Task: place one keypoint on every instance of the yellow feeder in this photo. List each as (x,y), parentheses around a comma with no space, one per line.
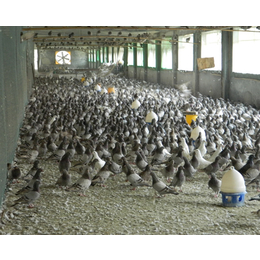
(82,79)
(111,90)
(190,115)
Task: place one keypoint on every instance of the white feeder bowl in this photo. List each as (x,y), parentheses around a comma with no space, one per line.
(232,182)
(97,88)
(233,188)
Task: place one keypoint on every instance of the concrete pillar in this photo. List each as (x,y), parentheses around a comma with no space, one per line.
(196,55)
(226,72)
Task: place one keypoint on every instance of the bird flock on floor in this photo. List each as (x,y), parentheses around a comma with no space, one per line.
(99,135)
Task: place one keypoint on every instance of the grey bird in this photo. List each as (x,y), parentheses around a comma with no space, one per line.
(140,161)
(255,198)
(214,183)
(79,148)
(33,170)
(71,149)
(64,163)
(117,153)
(30,196)
(58,153)
(114,167)
(178,179)
(188,169)
(14,173)
(64,179)
(133,177)
(161,187)
(146,173)
(159,157)
(213,167)
(102,175)
(29,186)
(82,184)
(42,149)
(249,164)
(169,170)
(194,161)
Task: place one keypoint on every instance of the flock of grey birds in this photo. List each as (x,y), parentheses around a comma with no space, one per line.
(96,136)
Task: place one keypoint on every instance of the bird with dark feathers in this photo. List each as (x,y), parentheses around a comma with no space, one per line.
(30,196)
(140,161)
(168,171)
(249,164)
(188,169)
(79,148)
(133,177)
(214,183)
(82,184)
(14,173)
(213,167)
(64,163)
(33,170)
(102,176)
(71,148)
(179,178)
(58,153)
(161,187)
(64,179)
(117,153)
(29,186)
(146,173)
(255,198)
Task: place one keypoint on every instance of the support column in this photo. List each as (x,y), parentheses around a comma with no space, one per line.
(226,72)
(126,61)
(196,55)
(174,58)
(145,60)
(135,60)
(158,53)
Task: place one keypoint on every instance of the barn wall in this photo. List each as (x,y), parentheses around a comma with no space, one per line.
(78,60)
(246,91)
(16,79)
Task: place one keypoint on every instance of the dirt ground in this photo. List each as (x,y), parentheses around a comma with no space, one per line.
(118,210)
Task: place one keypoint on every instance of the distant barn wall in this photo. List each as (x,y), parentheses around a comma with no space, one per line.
(16,79)
(78,60)
(245,90)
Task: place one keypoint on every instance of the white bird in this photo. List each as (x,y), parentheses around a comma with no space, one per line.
(99,163)
(216,153)
(202,162)
(186,150)
(202,148)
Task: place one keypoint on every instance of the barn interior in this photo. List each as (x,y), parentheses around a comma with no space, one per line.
(172,71)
